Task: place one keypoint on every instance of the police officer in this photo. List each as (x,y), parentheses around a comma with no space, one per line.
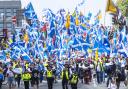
(18,75)
(74,80)
(65,78)
(50,77)
(26,78)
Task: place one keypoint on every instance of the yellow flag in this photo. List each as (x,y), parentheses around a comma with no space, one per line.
(77,21)
(68,17)
(96,55)
(67,24)
(26,37)
(100,16)
(111,7)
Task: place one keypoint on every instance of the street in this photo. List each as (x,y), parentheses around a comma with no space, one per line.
(58,86)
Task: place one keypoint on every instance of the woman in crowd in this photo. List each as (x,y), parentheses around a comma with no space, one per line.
(10,76)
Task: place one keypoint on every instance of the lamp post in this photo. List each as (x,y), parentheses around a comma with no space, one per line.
(4,26)
(2,15)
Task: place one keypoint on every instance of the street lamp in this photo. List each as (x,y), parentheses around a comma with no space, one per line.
(2,15)
(4,24)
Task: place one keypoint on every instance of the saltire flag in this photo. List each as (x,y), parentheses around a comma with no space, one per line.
(98,17)
(90,14)
(111,7)
(81,18)
(15,52)
(52,33)
(88,18)
(82,3)
(84,44)
(29,12)
(25,56)
(120,37)
(123,50)
(15,57)
(72,19)
(61,12)
(2,55)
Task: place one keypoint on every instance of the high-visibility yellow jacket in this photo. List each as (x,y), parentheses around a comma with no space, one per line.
(74,79)
(49,73)
(67,75)
(26,77)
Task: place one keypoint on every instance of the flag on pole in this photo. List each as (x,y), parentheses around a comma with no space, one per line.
(67,24)
(77,21)
(26,38)
(111,7)
(96,55)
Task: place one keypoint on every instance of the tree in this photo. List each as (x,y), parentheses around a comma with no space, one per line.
(122,5)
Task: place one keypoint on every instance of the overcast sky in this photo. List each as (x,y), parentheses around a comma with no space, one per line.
(89,6)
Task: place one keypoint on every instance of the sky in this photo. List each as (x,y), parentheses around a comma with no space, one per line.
(92,6)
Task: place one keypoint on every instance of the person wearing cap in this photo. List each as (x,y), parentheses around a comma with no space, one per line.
(74,80)
(65,78)
(50,77)
(26,78)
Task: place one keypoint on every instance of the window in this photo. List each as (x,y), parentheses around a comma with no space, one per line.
(9,29)
(1,25)
(9,25)
(8,14)
(14,14)
(1,10)
(14,10)
(8,10)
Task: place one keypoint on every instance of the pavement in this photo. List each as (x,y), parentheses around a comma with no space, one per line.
(58,85)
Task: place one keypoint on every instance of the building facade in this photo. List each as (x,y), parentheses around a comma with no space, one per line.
(9,9)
